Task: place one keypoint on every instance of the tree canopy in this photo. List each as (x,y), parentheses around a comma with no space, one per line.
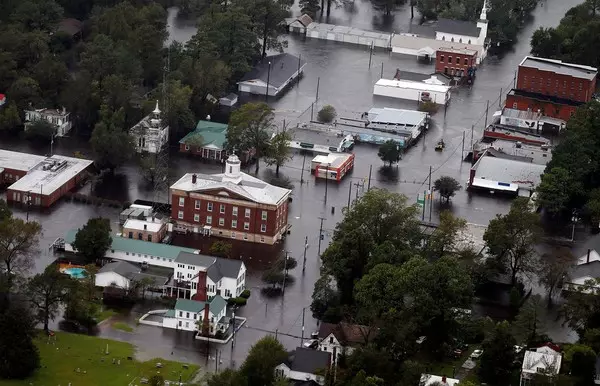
(93,240)
(446,187)
(390,152)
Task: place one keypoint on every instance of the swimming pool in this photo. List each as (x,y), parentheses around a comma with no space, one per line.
(77,273)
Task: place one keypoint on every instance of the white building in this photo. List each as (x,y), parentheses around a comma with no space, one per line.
(407,123)
(190,315)
(123,275)
(424,40)
(431,380)
(58,118)
(151,133)
(343,338)
(429,90)
(543,360)
(305,364)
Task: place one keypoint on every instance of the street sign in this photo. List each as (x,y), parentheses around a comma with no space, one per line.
(420,201)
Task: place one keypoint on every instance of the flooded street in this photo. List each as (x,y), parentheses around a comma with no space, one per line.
(346,83)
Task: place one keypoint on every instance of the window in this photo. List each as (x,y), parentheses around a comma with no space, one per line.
(209,206)
(227,293)
(180,323)
(222,208)
(180,313)
(246,226)
(150,238)
(331,340)
(263,227)
(221,221)
(262,239)
(209,220)
(187,315)
(279,373)
(197,204)
(247,214)
(187,147)
(449,59)
(441,58)
(234,223)
(196,217)
(245,236)
(264,215)
(187,324)
(181,201)
(515,105)
(180,215)
(466,61)
(194,316)
(233,235)
(458,60)
(130,235)
(234,210)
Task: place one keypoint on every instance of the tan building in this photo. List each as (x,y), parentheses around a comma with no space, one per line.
(153,230)
(232,204)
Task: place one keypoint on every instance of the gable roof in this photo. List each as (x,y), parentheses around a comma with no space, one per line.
(215,305)
(251,188)
(195,259)
(138,246)
(283,66)
(533,360)
(458,27)
(347,334)
(213,134)
(216,267)
(307,360)
(122,268)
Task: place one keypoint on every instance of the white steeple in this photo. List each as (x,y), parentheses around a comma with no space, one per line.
(156,109)
(483,15)
(233,169)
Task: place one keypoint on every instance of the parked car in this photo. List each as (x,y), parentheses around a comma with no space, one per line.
(476,354)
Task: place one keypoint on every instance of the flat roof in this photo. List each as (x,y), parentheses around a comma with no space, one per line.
(151,226)
(560,67)
(506,171)
(458,50)
(521,114)
(50,174)
(334,160)
(396,116)
(537,154)
(19,161)
(409,84)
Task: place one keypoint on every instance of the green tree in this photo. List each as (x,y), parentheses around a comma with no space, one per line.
(221,249)
(249,128)
(581,311)
(387,6)
(156,380)
(40,130)
(496,362)
(582,363)
(25,92)
(446,186)
(390,152)
(278,152)
(528,326)
(267,16)
(9,117)
(546,43)
(444,238)
(46,292)
(555,267)
(82,302)
(37,15)
(5,212)
(110,141)
(93,240)
(310,7)
(327,114)
(227,377)
(19,357)
(259,366)
(511,239)
(325,304)
(19,242)
(556,190)
(274,277)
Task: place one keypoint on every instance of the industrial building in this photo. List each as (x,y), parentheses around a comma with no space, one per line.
(429,90)
(407,123)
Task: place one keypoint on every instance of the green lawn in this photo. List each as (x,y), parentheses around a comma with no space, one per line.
(122,326)
(71,351)
(105,314)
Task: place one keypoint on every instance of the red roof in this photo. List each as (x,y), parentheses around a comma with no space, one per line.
(2,96)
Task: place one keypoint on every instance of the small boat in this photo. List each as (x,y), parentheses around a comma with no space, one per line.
(440,145)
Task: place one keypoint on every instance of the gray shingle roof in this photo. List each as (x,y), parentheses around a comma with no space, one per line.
(195,259)
(283,66)
(458,27)
(157,281)
(123,268)
(217,267)
(308,360)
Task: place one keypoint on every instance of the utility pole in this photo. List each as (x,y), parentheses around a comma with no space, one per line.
(381,70)
(500,98)
(357,184)
(268,80)
(462,153)
(487,107)
(370,171)
(349,194)
(317,96)
(299,57)
(430,194)
(320,235)
(312,107)
(472,130)
(303,161)
(233,322)
(370,55)
(305,248)
(302,337)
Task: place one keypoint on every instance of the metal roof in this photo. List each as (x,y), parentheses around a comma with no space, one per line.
(506,171)
(212,133)
(283,67)
(458,27)
(409,84)
(216,305)
(560,67)
(397,116)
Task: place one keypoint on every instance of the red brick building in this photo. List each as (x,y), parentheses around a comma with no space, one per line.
(551,86)
(458,62)
(231,204)
(38,180)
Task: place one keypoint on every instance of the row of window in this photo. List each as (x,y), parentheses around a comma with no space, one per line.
(234,209)
(145,256)
(192,267)
(208,221)
(140,236)
(459,40)
(457,60)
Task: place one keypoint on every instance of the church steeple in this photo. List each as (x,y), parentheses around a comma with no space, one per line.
(483,15)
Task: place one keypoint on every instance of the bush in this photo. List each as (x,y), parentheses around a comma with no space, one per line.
(327,114)
(219,334)
(245,294)
(240,301)
(428,107)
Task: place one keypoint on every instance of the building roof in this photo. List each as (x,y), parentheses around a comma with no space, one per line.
(334,160)
(70,26)
(454,27)
(305,20)
(157,280)
(248,187)
(534,360)
(213,134)
(138,246)
(347,334)
(122,268)
(507,171)
(540,155)
(51,174)
(428,379)
(47,112)
(412,85)
(545,98)
(151,226)
(560,67)
(458,50)
(19,161)
(216,267)
(307,360)
(388,115)
(283,67)
(216,305)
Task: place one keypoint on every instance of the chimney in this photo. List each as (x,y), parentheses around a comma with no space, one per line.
(194,178)
(443,379)
(588,255)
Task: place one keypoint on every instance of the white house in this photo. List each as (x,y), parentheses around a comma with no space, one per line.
(543,360)
(343,338)
(206,276)
(151,133)
(192,315)
(58,118)
(428,379)
(585,270)
(122,275)
(304,364)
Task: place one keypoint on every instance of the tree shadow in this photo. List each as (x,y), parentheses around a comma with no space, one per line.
(389,173)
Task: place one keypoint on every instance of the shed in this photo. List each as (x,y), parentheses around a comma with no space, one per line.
(229,100)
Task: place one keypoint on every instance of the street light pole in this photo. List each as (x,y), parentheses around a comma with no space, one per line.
(268,80)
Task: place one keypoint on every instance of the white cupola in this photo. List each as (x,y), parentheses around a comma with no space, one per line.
(233,169)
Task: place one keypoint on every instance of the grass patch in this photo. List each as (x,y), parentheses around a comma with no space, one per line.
(71,351)
(122,326)
(105,314)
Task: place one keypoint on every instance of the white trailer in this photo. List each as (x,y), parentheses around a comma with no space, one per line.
(410,90)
